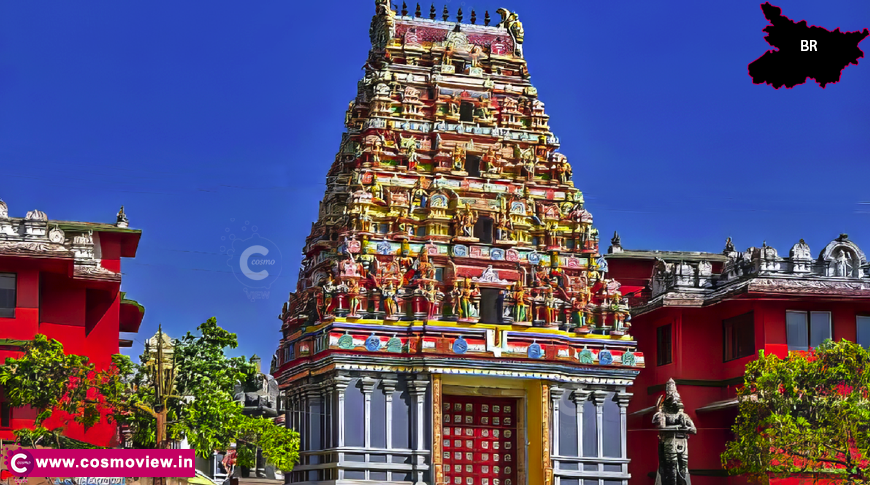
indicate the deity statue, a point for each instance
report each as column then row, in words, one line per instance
column 353, row 291
column 520, row 307
column 674, row 428
column 578, row 309
column 409, row 146
column 842, row 264
column 424, row 267
column 455, row 297
column 504, row 227
column 563, row 170
column 391, row 306
column 467, row 308
column 329, row 288
column 729, row 246
column 550, row 306
column 464, row 221
column 419, row 197
column 458, row 158
column 378, row 150
column 433, row 296
column 377, row 190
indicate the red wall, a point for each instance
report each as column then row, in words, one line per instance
column 698, row 356
column 83, row 315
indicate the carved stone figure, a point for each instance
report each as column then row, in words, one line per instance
column 729, row 246
column 674, row 427
column 842, row 264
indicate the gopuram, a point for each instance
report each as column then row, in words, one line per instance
column 453, row 321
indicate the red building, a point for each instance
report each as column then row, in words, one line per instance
column 63, row 279
column 702, row 317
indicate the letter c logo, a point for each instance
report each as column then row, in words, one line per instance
column 243, row 262
column 13, row 463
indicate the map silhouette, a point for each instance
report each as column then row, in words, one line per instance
column 803, row 52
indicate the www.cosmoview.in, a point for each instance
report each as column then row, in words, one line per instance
column 100, row 463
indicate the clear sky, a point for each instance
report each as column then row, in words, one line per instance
column 209, row 118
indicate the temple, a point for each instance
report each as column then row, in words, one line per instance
column 701, row 317
column 63, row 279
column 454, row 322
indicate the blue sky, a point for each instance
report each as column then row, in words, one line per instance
column 206, row 119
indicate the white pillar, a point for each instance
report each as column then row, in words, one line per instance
column 340, row 384
column 368, row 385
column 389, row 387
column 598, row 398
column 555, row 397
column 623, row 399
column 580, row 397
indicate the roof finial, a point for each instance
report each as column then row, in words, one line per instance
column 432, row 12
column 459, row 15
column 445, row 15
column 486, row 18
column 615, row 244
column 404, row 9
column 122, row 219
column 729, row 246
column 418, row 13
column 473, row 16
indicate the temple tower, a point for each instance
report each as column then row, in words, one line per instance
column 453, row 322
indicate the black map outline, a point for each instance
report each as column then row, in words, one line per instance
column 786, row 65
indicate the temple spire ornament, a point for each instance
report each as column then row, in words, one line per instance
column 674, row 427
column 121, row 220
column 615, row 244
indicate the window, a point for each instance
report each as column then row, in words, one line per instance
column 421, row 231
column 383, row 228
column 489, row 306
column 472, row 165
column 663, row 345
column 483, row 229
column 7, row 295
column 864, row 331
column 738, row 336
column 466, row 112
column 807, row 329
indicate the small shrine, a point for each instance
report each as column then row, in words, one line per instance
column 453, row 321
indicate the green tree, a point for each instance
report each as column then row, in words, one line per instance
column 195, row 401
column 808, row 414
column 49, row 381
column 200, row 405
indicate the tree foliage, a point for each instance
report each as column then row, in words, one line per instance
column 808, row 414
column 200, row 407
column 50, row 381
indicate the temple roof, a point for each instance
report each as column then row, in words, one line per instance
column 839, row 271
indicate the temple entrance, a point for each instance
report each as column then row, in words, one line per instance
column 480, row 440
